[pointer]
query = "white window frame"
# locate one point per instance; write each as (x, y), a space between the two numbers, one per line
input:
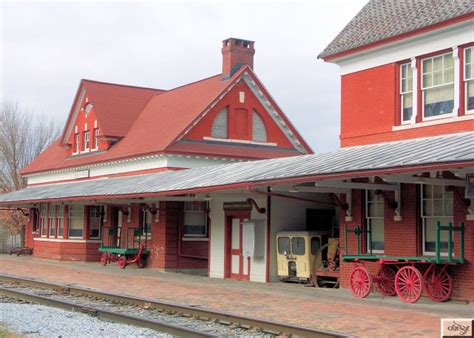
(52, 220)
(192, 207)
(424, 218)
(96, 216)
(369, 218)
(87, 140)
(44, 220)
(77, 143)
(70, 218)
(403, 93)
(146, 212)
(96, 139)
(468, 79)
(60, 220)
(423, 88)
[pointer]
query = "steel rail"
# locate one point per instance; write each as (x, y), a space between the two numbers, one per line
(104, 314)
(270, 327)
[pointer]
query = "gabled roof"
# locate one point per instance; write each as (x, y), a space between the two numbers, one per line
(384, 19)
(157, 128)
(117, 106)
(424, 154)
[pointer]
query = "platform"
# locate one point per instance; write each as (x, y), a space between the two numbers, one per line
(328, 309)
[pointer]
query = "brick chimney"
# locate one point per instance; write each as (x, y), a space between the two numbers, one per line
(235, 54)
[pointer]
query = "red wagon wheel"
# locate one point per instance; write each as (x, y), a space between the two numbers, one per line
(386, 281)
(122, 262)
(360, 282)
(409, 284)
(438, 283)
(103, 259)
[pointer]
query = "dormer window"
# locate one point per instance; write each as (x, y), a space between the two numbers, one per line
(437, 84)
(219, 126)
(87, 140)
(77, 143)
(259, 132)
(469, 79)
(96, 138)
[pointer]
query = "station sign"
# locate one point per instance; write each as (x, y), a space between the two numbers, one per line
(237, 206)
(82, 173)
(470, 186)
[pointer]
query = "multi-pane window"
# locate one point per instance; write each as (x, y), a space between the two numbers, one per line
(469, 78)
(195, 219)
(87, 140)
(60, 216)
(438, 85)
(76, 220)
(146, 223)
(259, 132)
(219, 126)
(77, 143)
(96, 138)
(375, 221)
(52, 220)
(406, 92)
(436, 206)
(44, 220)
(94, 222)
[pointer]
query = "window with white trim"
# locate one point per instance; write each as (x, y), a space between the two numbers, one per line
(52, 221)
(44, 220)
(146, 223)
(76, 221)
(259, 132)
(406, 92)
(437, 84)
(219, 126)
(96, 138)
(94, 221)
(87, 140)
(195, 219)
(60, 216)
(77, 143)
(469, 79)
(375, 221)
(436, 206)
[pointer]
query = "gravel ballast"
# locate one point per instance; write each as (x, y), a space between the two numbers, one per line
(38, 320)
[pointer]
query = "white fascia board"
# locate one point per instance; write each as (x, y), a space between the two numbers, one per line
(439, 39)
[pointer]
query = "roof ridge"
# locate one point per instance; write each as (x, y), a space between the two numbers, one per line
(123, 85)
(194, 82)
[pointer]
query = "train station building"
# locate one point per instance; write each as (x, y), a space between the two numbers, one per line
(137, 163)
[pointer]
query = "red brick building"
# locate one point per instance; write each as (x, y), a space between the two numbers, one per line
(117, 130)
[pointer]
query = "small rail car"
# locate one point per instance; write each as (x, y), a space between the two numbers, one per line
(406, 277)
(297, 252)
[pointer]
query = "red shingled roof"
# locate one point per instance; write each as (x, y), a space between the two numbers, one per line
(157, 122)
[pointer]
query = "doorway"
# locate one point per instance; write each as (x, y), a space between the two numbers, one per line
(237, 266)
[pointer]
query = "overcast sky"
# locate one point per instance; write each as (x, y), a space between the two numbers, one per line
(47, 47)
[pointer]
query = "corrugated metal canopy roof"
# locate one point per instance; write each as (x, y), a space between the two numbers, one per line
(449, 149)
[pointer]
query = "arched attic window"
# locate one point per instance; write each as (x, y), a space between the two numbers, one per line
(219, 126)
(259, 132)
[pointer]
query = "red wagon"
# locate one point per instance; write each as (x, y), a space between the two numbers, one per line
(406, 277)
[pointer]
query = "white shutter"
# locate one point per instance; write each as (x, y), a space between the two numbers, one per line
(259, 133)
(219, 126)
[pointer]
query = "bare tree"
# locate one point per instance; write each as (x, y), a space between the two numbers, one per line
(23, 136)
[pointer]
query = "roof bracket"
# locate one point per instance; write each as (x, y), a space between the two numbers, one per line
(394, 204)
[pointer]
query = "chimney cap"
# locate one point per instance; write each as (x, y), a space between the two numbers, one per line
(237, 39)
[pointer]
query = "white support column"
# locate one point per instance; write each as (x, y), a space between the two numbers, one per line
(415, 91)
(457, 80)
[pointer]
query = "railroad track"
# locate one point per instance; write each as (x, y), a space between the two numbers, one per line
(110, 306)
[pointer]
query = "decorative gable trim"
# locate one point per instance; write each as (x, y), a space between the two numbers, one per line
(72, 119)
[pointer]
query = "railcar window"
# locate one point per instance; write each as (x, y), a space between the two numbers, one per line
(315, 245)
(297, 246)
(283, 245)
